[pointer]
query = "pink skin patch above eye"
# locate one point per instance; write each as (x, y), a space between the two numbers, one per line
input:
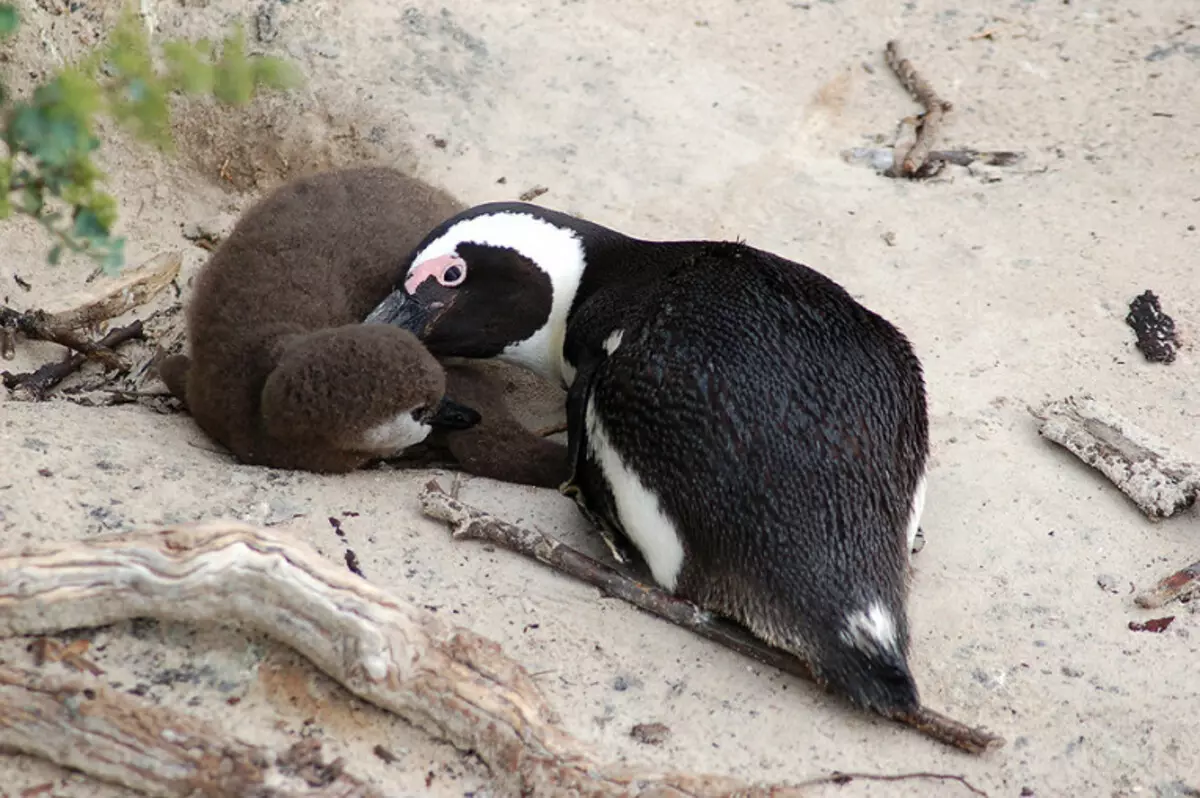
(437, 268)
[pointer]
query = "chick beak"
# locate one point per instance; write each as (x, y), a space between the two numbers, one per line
(448, 414)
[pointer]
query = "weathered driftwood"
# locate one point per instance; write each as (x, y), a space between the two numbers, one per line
(118, 295)
(1141, 465)
(444, 679)
(121, 739)
(1182, 584)
(471, 523)
(910, 163)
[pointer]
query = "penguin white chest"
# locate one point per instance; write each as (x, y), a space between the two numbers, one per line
(638, 508)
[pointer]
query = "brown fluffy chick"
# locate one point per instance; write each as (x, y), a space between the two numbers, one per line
(283, 373)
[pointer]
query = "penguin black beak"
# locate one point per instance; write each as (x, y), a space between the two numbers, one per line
(449, 414)
(416, 312)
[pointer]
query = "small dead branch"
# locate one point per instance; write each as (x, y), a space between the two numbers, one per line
(911, 162)
(404, 659)
(35, 385)
(85, 311)
(1143, 467)
(845, 778)
(120, 739)
(1179, 586)
(472, 524)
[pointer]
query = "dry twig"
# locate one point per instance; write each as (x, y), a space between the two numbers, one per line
(35, 385)
(1143, 467)
(1179, 586)
(121, 739)
(87, 310)
(911, 162)
(401, 658)
(473, 524)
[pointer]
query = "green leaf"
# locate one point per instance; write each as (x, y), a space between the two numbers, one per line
(55, 255)
(88, 226)
(115, 258)
(9, 19)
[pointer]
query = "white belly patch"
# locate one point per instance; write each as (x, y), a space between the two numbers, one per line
(395, 435)
(639, 509)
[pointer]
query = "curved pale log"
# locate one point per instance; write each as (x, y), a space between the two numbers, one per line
(123, 740)
(445, 679)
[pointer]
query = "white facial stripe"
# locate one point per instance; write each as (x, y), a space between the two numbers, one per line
(640, 511)
(555, 250)
(917, 507)
(394, 435)
(873, 630)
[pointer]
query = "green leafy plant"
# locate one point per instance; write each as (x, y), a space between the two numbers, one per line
(48, 171)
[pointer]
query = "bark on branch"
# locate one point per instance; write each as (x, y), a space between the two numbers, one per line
(444, 679)
(124, 740)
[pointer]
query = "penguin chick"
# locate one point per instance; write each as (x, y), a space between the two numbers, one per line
(281, 371)
(758, 436)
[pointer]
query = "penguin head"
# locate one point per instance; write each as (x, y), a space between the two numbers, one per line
(496, 281)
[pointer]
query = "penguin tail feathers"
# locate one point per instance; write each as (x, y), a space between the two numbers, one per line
(868, 661)
(174, 373)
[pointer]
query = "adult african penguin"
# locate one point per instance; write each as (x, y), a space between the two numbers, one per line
(756, 434)
(283, 372)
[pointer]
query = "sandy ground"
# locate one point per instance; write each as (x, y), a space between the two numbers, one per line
(720, 119)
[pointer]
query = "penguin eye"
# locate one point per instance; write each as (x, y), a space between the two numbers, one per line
(454, 273)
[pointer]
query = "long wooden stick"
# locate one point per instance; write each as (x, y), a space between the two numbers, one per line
(404, 659)
(473, 524)
(121, 739)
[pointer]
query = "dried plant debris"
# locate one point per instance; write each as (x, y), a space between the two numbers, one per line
(1143, 467)
(650, 733)
(1155, 330)
(1156, 625)
(1179, 586)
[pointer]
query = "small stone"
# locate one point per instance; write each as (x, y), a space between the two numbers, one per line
(1073, 673)
(650, 733)
(1109, 583)
(267, 21)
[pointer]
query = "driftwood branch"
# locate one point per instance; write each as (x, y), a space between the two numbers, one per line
(36, 384)
(124, 740)
(404, 659)
(1179, 586)
(1143, 467)
(112, 298)
(910, 162)
(473, 524)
